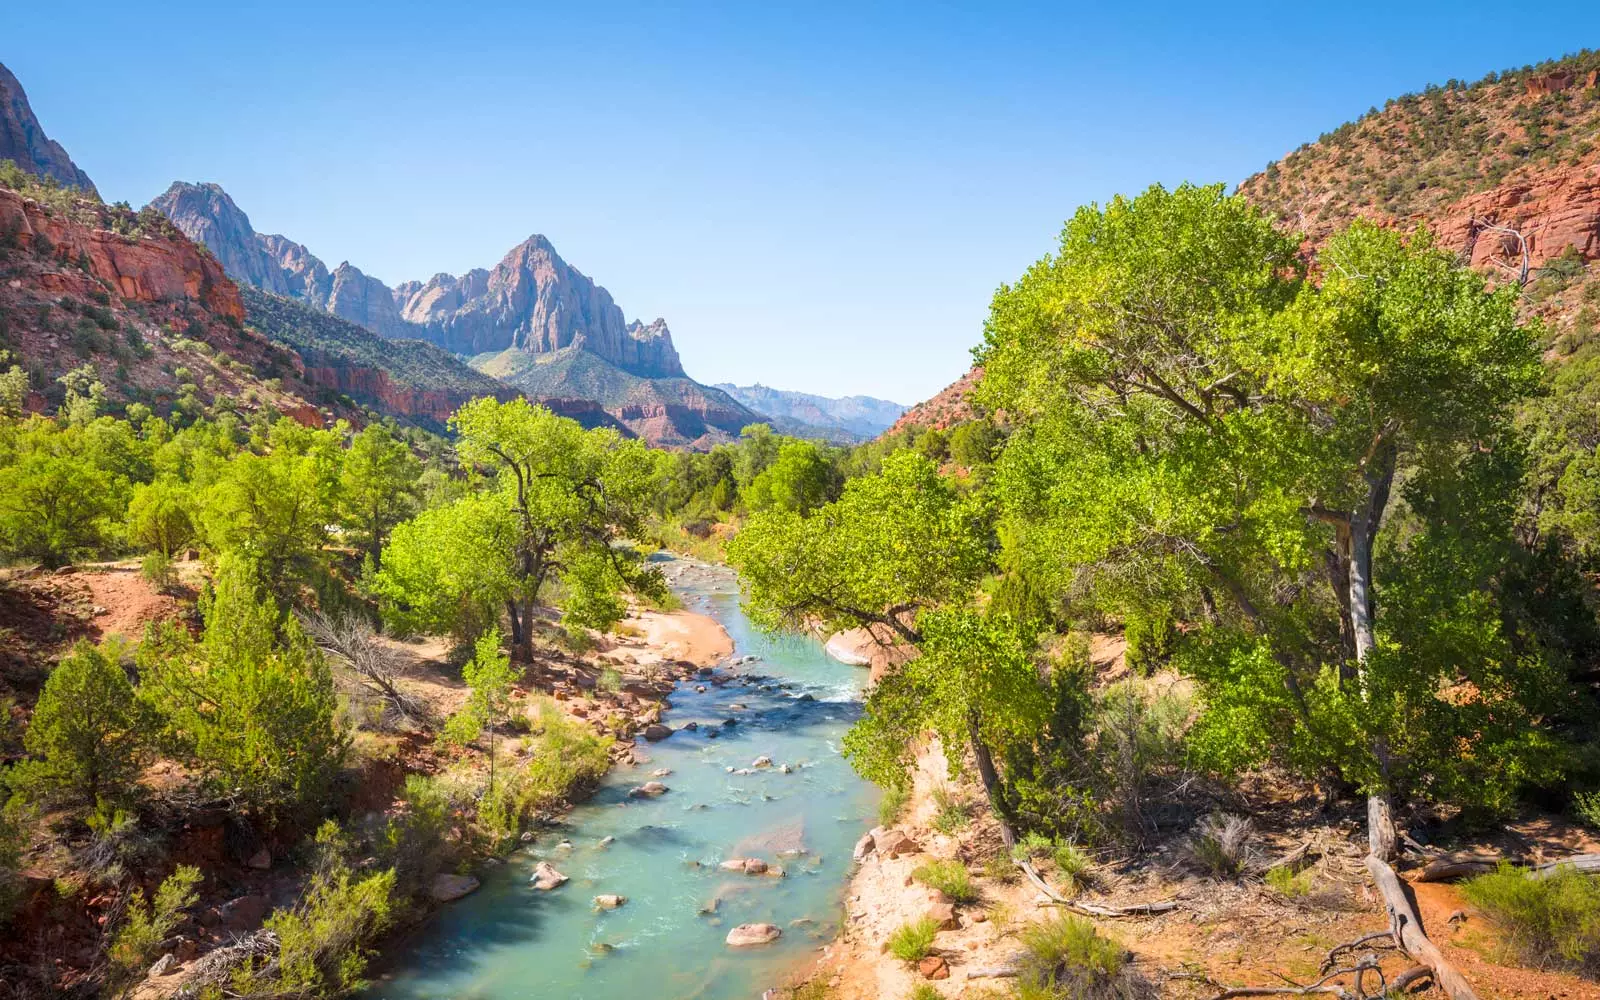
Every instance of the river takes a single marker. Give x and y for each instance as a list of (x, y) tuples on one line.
[(509, 940)]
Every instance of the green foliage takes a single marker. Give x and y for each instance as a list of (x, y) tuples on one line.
[(1586, 806), (489, 678), (1072, 865), (161, 516), (415, 841), (146, 925), (1287, 883), (54, 506), (251, 706), (323, 939), (799, 480), (566, 757), (1066, 958), (949, 877), (892, 542), (1551, 919), (1195, 424), (377, 488), (892, 804), (88, 733), (1221, 844), (951, 813), (912, 941)]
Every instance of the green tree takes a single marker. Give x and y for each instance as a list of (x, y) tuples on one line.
[(800, 479), (251, 706), (451, 569), (570, 494), (88, 734), (891, 545), (489, 678), (274, 509), (161, 516), (1200, 429), (54, 507), (378, 488)]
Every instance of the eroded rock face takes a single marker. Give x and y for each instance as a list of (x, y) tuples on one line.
[(752, 935), (22, 139), (140, 268)]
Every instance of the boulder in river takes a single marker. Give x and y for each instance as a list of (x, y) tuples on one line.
[(656, 732), (751, 935), (447, 887), (648, 790), (863, 847), (609, 901), (762, 761), (750, 866), (545, 876)]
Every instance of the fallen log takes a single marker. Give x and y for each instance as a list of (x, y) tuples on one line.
[(1406, 927), (1093, 909), (1583, 864), (1458, 866)]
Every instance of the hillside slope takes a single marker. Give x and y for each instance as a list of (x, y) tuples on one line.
[(1505, 171), (23, 140), (405, 378)]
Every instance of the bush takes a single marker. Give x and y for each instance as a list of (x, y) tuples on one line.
[(1285, 882), (892, 804), (567, 757), (1066, 957), (1221, 844), (1586, 806), (157, 569), (87, 735), (147, 925), (953, 812), (949, 877), (912, 941), (1071, 864), (415, 842), (1551, 919)]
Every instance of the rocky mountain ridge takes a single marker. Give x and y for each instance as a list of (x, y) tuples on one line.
[(844, 419), (23, 140), (532, 300)]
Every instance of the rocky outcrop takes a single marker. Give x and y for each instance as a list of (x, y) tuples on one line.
[(1553, 210), (22, 139), (363, 299), (374, 387), (205, 214), (140, 268)]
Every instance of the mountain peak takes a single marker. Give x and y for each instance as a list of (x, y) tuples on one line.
[(22, 139)]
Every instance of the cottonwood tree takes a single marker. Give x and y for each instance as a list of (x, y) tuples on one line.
[(902, 550), (1201, 428), (559, 500)]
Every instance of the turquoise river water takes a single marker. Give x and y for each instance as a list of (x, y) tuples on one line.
[(509, 941)]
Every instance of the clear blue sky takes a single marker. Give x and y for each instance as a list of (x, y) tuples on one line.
[(819, 197)]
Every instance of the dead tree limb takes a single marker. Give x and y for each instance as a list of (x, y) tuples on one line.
[(1406, 927), (1093, 909)]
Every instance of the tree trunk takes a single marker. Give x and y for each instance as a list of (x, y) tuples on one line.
[(991, 784)]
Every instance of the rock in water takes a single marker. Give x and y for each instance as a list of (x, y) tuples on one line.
[(648, 790), (609, 901), (863, 847), (447, 887), (545, 876), (655, 732), (751, 935)]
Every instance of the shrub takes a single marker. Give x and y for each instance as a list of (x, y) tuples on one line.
[(147, 925), (1071, 864), (953, 813), (949, 877), (1586, 806), (1285, 882), (157, 569), (1221, 844), (1066, 957), (1550, 919), (892, 804), (923, 991), (911, 942), (567, 757), (415, 842), (87, 735)]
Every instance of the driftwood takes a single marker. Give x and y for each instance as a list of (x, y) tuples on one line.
[(1360, 971), (1457, 866), (1094, 909)]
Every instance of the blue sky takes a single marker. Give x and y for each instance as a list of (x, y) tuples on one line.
[(819, 197)]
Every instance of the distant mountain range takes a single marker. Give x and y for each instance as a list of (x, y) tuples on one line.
[(532, 321), (843, 420)]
